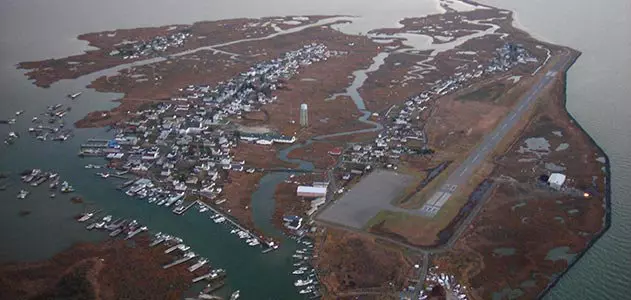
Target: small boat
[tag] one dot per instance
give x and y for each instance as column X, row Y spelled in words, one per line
column 85, row 217
column 235, row 295
column 74, row 96
column 301, row 282
column 19, row 112
column 34, row 119
column 23, row 194
column 52, row 195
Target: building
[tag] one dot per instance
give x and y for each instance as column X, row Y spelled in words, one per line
column 556, row 180
column 304, row 115
column 311, row 191
column 337, row 151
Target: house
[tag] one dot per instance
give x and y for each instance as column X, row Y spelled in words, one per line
column 556, row 180
column 311, row 191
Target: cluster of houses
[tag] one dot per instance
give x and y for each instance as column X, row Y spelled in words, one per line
column 132, row 50
column 403, row 134
column 249, row 90
column 184, row 146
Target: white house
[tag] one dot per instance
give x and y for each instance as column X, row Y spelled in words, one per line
column 556, row 180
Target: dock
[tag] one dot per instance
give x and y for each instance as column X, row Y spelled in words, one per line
column 126, row 184
column 98, row 140
column 94, row 145
column 235, row 224
column 179, row 261
column 157, row 242
column 172, row 248
column 179, row 212
column 212, row 275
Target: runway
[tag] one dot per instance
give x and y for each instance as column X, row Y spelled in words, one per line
column 461, row 175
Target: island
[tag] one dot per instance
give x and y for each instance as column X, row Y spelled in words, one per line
column 435, row 159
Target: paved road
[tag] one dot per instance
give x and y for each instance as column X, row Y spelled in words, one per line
column 461, row 175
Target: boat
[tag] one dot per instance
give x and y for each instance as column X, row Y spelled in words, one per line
column 107, row 218
column 198, row 265
column 34, row 119
column 301, row 282
column 13, row 135
column 298, row 272
column 66, row 187
column 220, row 220
column 116, row 232
column 91, row 226
column 203, row 209
column 53, row 175
column 235, row 295
column 309, row 289
column 99, row 225
column 19, row 112
column 52, row 195
column 85, row 217
column 23, row 194
column 74, row 96
column 53, row 185
column 103, row 175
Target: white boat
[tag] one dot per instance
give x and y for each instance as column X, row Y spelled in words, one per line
column 301, row 282
column 85, row 217
column 203, row 209
column 107, row 218
column 52, row 195
column 74, row 96
column 220, row 220
column 23, row 194
column 309, row 289
column 19, row 112
column 235, row 295
column 298, row 272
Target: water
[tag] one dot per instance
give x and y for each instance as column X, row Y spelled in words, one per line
column 597, row 93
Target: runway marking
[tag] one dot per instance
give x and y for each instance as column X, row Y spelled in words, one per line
column 503, row 125
column 513, row 116
column 465, row 169
column 476, row 157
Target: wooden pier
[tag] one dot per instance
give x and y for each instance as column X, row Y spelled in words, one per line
column 232, row 221
column 179, row 261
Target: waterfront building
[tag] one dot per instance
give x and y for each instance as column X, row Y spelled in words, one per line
column 304, row 115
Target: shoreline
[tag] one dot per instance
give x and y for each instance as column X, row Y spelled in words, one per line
column 607, row 220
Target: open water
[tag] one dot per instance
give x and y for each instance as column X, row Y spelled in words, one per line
column 598, row 92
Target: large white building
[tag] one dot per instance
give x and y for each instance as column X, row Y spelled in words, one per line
column 556, row 180
column 311, row 191
column 304, row 115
